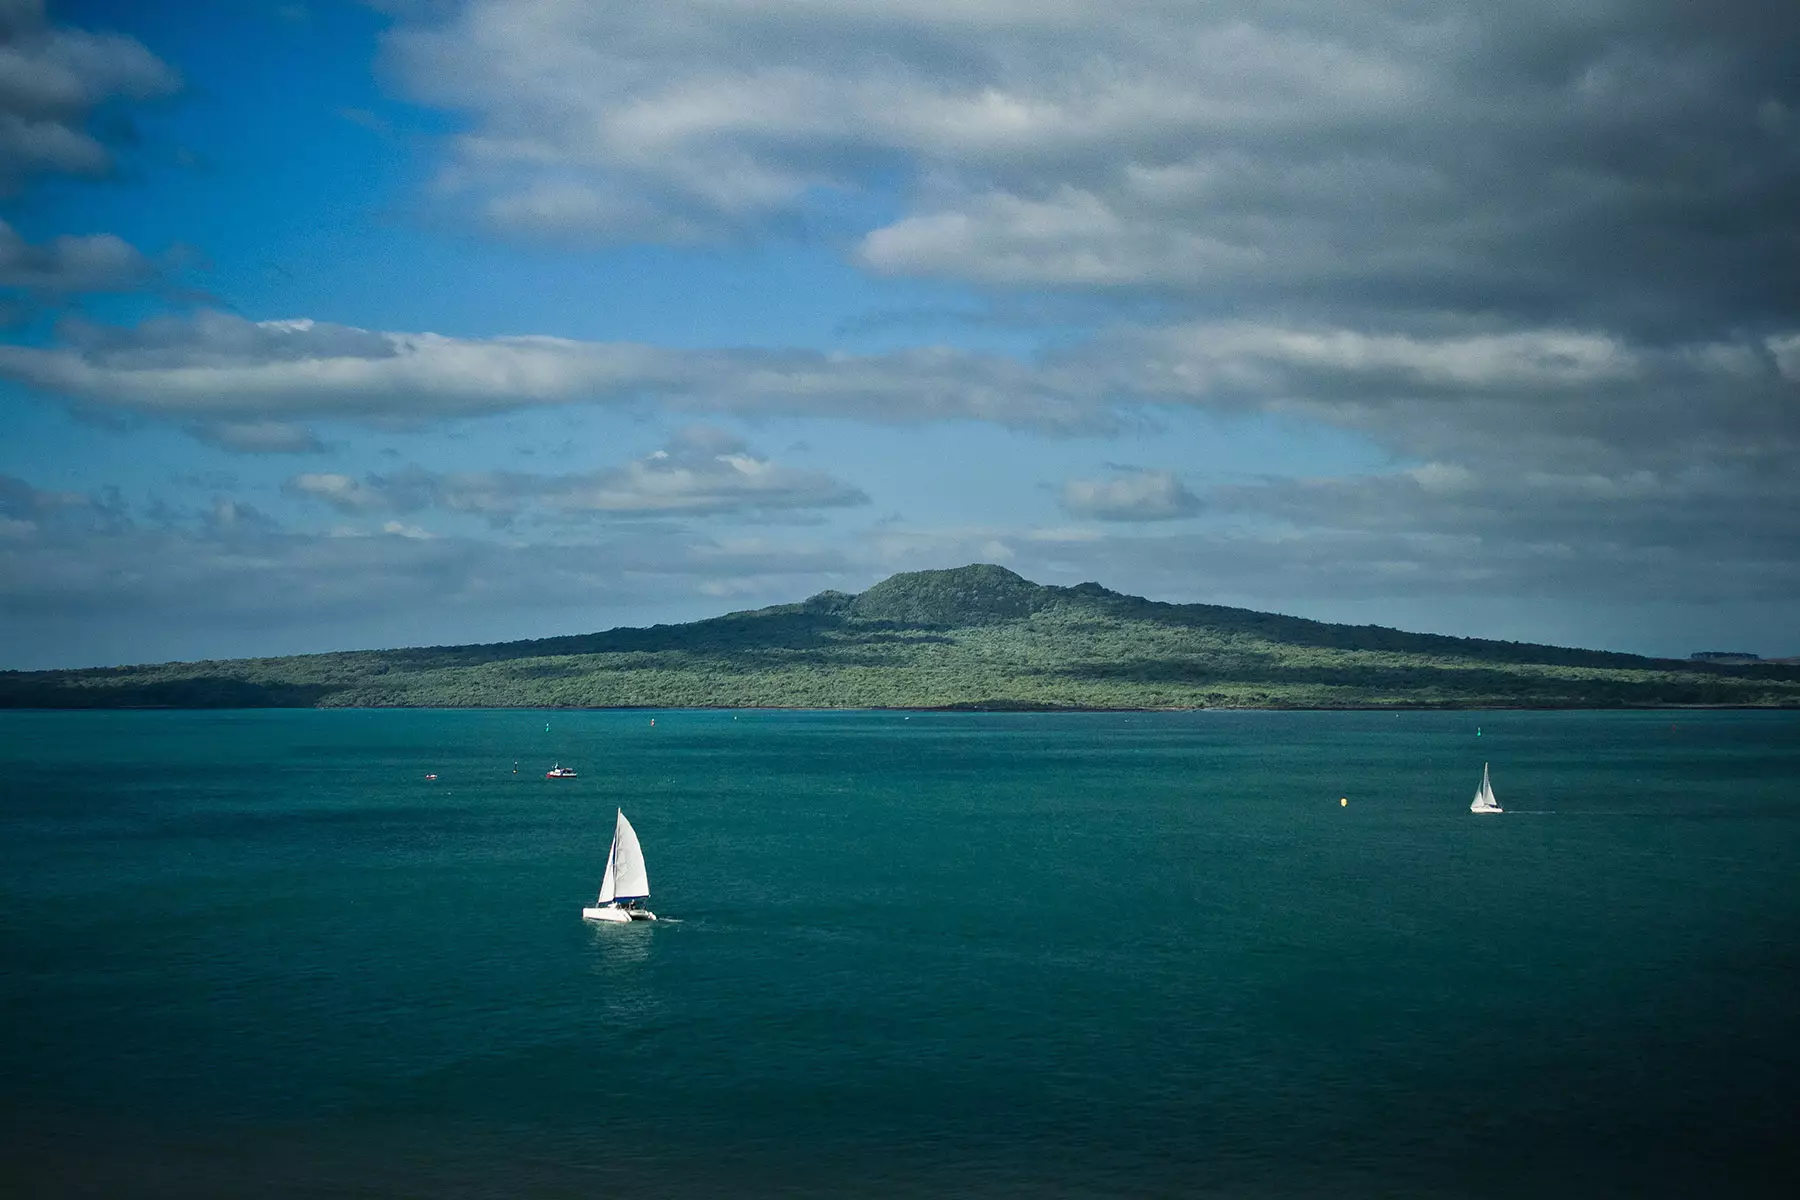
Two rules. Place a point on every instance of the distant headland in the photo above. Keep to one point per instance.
(975, 637)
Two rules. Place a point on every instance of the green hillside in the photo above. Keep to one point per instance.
(975, 637)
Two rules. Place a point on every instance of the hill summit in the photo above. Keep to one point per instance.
(980, 594)
(978, 636)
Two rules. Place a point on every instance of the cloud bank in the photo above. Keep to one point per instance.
(1623, 165)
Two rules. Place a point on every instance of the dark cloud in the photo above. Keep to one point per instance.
(52, 79)
(95, 263)
(28, 510)
(220, 341)
(1630, 166)
(229, 518)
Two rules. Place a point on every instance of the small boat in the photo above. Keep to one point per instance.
(1484, 795)
(560, 772)
(430, 778)
(627, 884)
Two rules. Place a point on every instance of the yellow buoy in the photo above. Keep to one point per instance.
(1343, 802)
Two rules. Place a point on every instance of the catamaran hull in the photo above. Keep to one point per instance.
(609, 913)
(618, 916)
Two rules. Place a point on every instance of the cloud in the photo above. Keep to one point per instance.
(703, 472)
(28, 509)
(1546, 398)
(1551, 397)
(342, 492)
(1130, 496)
(52, 78)
(96, 263)
(1553, 443)
(216, 367)
(1623, 166)
(227, 581)
(1725, 531)
(228, 516)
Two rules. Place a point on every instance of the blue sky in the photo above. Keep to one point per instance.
(331, 325)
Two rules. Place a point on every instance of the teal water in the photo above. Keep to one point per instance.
(969, 954)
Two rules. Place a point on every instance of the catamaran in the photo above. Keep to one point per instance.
(1484, 801)
(627, 884)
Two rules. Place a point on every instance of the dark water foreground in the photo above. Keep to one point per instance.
(1058, 955)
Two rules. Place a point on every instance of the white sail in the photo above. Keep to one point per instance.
(608, 885)
(625, 866)
(1484, 795)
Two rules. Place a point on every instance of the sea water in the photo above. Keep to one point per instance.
(1233, 954)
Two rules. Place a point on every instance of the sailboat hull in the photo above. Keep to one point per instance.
(616, 915)
(606, 913)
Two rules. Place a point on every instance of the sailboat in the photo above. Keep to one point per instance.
(1484, 801)
(627, 884)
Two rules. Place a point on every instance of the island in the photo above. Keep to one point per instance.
(974, 637)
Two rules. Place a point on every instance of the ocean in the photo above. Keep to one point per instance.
(1250, 954)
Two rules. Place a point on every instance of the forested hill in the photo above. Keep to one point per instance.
(974, 637)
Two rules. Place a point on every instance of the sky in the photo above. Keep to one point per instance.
(331, 325)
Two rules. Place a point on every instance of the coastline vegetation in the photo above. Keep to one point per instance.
(972, 637)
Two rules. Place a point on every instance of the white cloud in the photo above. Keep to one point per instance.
(342, 492)
(704, 472)
(218, 368)
(1072, 237)
(1551, 397)
(1534, 360)
(1130, 496)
